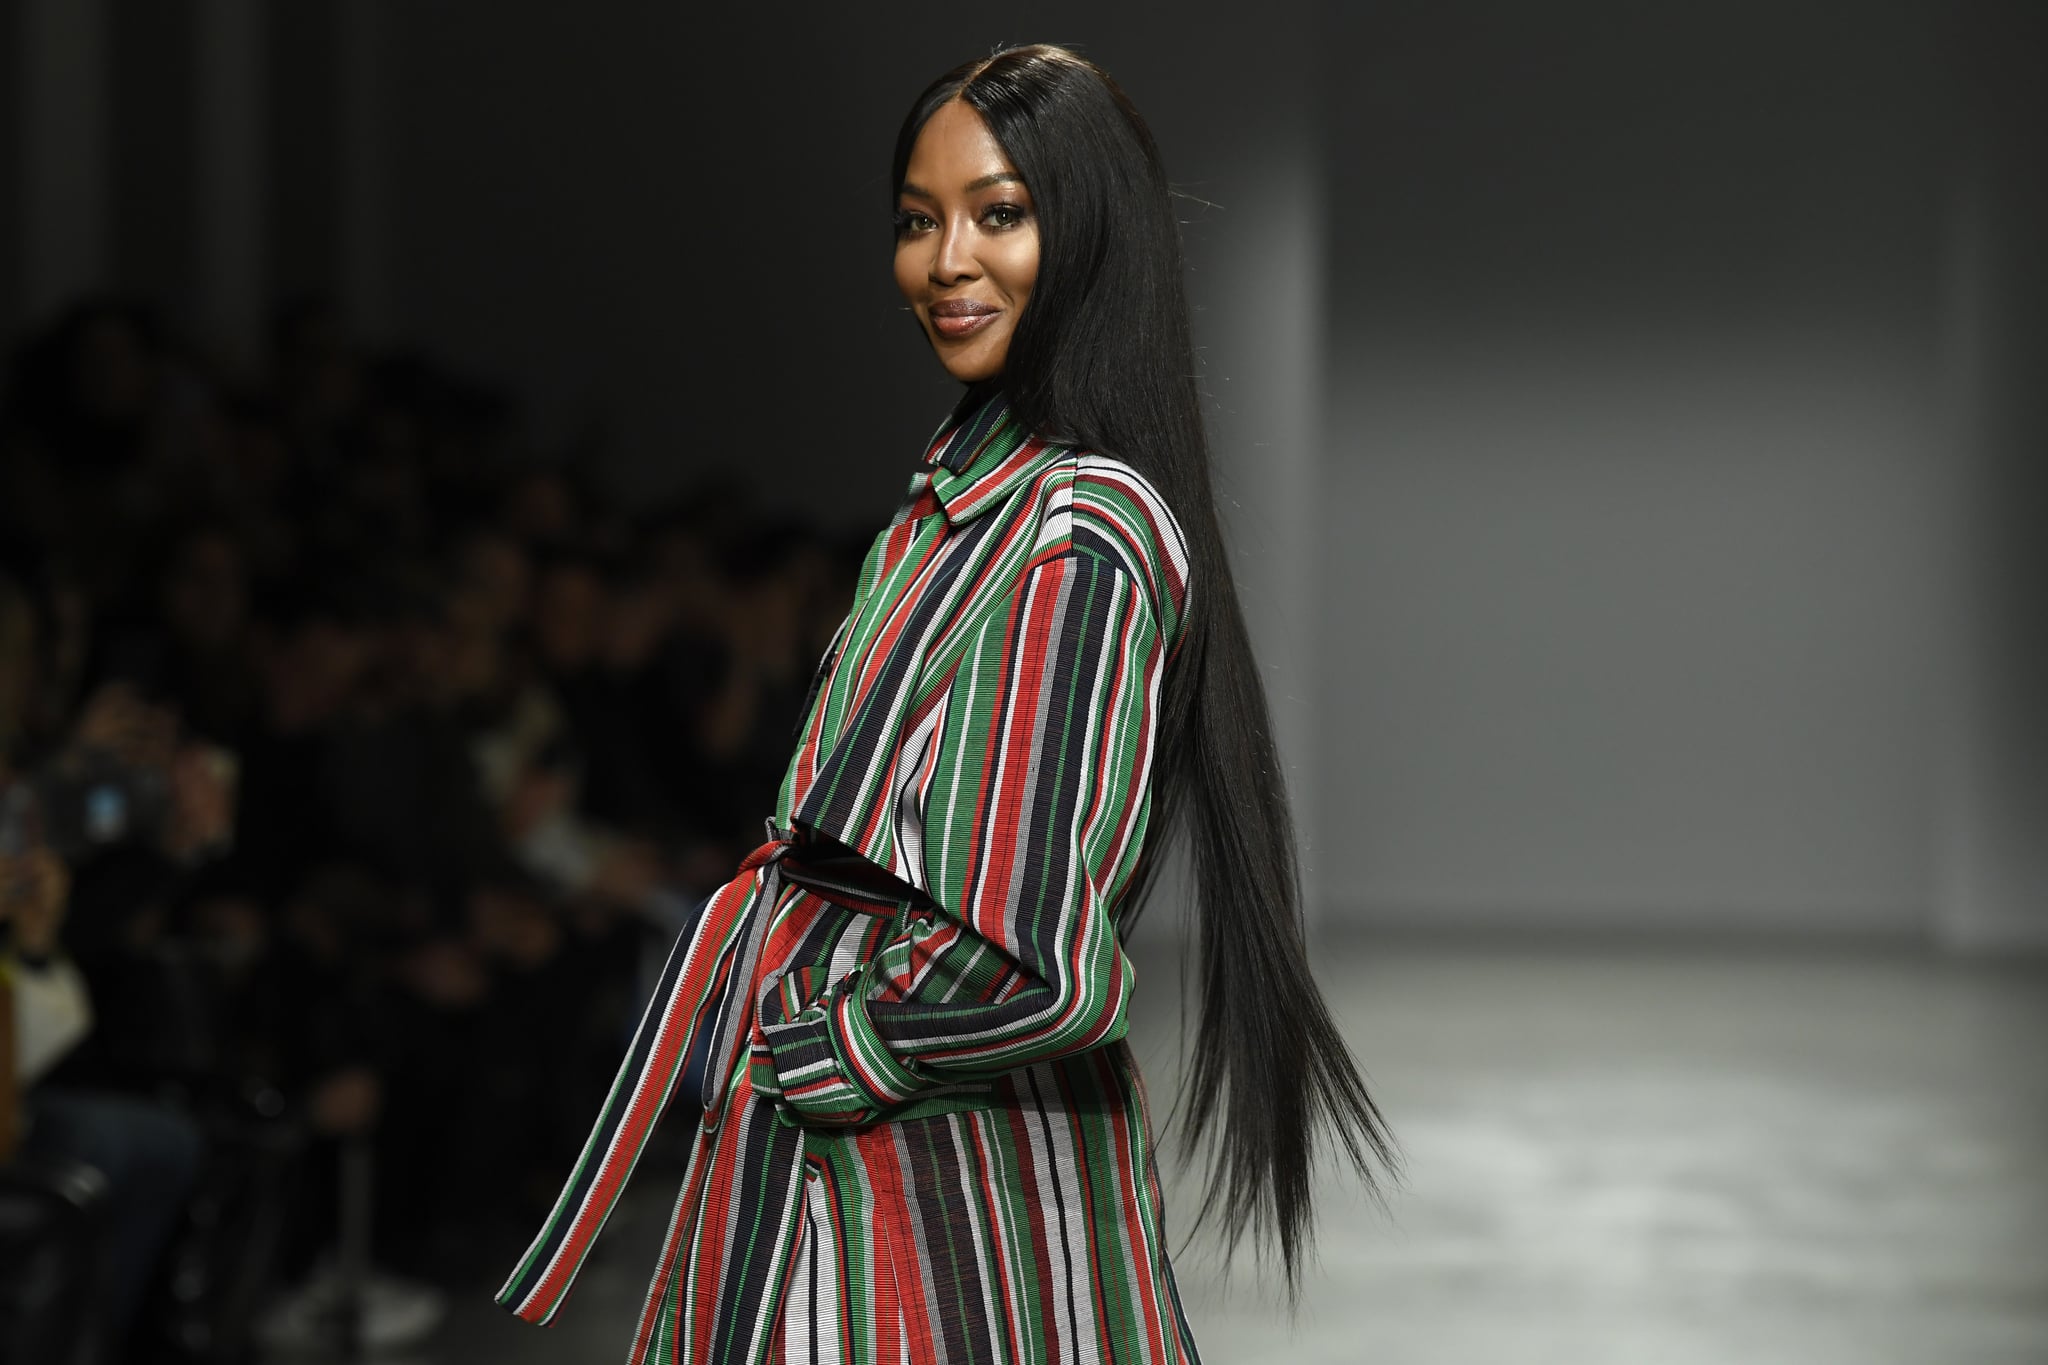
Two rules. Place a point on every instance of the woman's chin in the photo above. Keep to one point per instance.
(970, 364)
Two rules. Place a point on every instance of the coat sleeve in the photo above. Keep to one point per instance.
(1035, 807)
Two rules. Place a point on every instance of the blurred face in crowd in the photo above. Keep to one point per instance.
(569, 613)
(249, 452)
(542, 507)
(424, 651)
(683, 571)
(639, 618)
(206, 597)
(496, 578)
(312, 672)
(966, 242)
(17, 664)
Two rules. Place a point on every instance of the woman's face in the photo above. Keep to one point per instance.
(966, 242)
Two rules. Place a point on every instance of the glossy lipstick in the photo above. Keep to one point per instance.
(956, 318)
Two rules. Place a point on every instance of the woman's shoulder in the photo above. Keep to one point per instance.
(1119, 516)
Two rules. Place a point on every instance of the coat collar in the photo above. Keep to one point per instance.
(980, 454)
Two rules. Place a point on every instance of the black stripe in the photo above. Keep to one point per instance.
(948, 1224)
(830, 807)
(1051, 1176)
(768, 1147)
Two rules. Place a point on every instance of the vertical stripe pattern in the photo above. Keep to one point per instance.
(924, 1138)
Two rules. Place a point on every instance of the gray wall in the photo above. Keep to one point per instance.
(1992, 889)
(1636, 480)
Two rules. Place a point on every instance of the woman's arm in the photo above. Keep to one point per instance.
(1034, 813)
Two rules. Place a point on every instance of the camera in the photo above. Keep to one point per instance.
(83, 803)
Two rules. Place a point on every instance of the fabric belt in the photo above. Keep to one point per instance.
(827, 869)
(707, 989)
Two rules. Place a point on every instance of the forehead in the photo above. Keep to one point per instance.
(954, 149)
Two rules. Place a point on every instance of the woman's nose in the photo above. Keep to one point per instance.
(953, 257)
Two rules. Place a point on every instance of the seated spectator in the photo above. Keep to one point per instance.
(148, 1155)
(100, 823)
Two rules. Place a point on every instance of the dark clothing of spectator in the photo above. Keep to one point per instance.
(149, 1158)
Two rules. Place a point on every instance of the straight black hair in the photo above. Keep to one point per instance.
(1103, 358)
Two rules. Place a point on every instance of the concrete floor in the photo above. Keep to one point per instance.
(1616, 1155)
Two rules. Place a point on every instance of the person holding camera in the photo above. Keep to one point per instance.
(98, 789)
(147, 1155)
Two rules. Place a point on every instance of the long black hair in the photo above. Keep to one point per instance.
(1103, 358)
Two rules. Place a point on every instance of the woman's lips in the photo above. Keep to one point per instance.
(955, 318)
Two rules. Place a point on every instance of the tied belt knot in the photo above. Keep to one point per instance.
(823, 865)
(711, 977)
(737, 928)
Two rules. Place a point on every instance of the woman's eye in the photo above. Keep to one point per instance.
(910, 220)
(1003, 216)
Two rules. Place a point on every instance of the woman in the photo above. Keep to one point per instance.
(923, 1136)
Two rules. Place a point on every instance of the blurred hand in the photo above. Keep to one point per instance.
(35, 888)
(628, 873)
(235, 926)
(117, 721)
(202, 812)
(538, 795)
(346, 1103)
(634, 625)
(446, 974)
(514, 927)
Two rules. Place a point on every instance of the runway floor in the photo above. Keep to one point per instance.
(1616, 1155)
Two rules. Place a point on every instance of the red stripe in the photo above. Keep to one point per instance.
(1141, 499)
(1006, 768)
(650, 1092)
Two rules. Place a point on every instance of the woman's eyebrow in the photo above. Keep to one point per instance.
(999, 178)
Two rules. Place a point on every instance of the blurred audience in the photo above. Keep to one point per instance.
(353, 765)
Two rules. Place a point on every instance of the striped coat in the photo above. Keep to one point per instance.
(923, 1136)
